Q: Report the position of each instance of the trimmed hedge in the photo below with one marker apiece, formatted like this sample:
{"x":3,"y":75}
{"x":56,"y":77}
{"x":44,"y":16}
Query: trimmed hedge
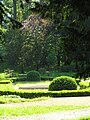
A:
{"x":19,"y":79}
{"x":36,"y":94}
{"x":5,"y":82}
{"x":33,"y":76}
{"x":46,"y":78}
{"x":63,"y":83}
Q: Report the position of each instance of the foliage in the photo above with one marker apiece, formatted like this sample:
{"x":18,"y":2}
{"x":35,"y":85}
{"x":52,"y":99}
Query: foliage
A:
{"x":27,"y":44}
{"x":71,"y":30}
{"x":84,"y":118}
{"x":78,"y":81}
{"x":5,"y":81}
{"x":6,"y":87}
{"x":4,"y":76}
{"x":55,"y":73}
{"x":20,"y":79}
{"x":63,"y":83}
{"x":45,"y":93}
{"x":84,"y":85}
{"x":6,"y":14}
{"x":33,"y":76}
{"x":56,"y":34}
{"x":15,"y":99}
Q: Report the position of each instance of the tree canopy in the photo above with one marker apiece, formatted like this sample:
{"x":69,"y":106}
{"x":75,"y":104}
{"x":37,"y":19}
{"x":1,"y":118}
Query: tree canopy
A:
{"x":65,"y":40}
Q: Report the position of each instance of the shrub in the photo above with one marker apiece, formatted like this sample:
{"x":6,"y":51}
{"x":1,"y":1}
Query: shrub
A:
{"x":20,"y":79}
{"x":84,"y":85}
{"x":63,"y":83}
{"x":78,"y":81}
{"x":42,"y":70}
{"x":36,"y":94}
{"x":46,"y":78}
{"x":33,"y":76}
{"x":5,"y":82}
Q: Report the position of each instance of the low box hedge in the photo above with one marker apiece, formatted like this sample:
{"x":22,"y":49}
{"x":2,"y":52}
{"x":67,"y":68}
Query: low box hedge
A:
{"x":5,"y":82}
{"x":46,"y":78}
{"x":36,"y":94}
{"x":19,"y":79}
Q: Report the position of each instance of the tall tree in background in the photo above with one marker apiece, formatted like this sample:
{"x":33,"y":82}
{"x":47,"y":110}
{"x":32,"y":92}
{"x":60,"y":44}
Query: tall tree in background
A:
{"x":72,"y":17}
{"x":14,"y":9}
{"x":70,"y":33}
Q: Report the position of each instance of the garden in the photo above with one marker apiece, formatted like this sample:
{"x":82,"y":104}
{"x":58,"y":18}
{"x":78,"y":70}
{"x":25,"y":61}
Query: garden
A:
{"x":31,"y":85}
{"x":13,"y":89}
{"x":44,"y":54}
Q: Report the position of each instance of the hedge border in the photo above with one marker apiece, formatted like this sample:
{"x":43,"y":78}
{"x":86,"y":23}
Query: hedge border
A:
{"x":35,"y":94}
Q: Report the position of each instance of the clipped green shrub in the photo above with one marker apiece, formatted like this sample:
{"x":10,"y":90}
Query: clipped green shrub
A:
{"x":42,"y":70}
{"x":5,"y":82}
{"x":33,"y":76}
{"x":20,"y":79}
{"x":63,"y":83}
{"x":84,"y":85}
{"x":46,"y":78}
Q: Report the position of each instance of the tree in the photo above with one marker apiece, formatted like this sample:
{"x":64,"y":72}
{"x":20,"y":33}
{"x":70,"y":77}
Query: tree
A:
{"x":66,"y":38}
{"x":71,"y":17}
{"x":25,"y":46}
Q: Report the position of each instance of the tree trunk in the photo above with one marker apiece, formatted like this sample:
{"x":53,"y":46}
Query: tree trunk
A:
{"x":58,"y":60}
{"x":14,"y":10}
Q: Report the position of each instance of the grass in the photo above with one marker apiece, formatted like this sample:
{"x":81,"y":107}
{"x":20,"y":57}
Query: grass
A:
{"x":83,"y":118}
{"x":30,"y":110}
{"x":34,"y":82}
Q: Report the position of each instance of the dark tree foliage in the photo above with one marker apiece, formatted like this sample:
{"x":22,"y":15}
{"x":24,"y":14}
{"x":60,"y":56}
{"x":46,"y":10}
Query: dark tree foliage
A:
{"x":71,"y":21}
{"x":72,"y":17}
{"x":4,"y":14}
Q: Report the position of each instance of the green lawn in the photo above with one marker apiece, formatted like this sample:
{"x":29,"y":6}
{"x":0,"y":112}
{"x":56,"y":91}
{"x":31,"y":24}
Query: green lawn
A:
{"x":83,"y":118}
{"x":29,"y":83}
{"x":29,"y":110}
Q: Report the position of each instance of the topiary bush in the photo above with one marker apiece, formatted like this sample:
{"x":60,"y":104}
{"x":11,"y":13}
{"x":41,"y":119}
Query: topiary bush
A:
{"x":63,"y":83}
{"x":33,"y":76}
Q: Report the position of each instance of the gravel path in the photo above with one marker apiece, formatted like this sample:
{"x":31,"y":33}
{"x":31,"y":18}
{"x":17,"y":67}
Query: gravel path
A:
{"x":66,"y":115}
{"x":78,"y":101}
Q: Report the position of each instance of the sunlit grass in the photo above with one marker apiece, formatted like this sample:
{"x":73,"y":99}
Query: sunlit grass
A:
{"x":30,"y":83}
{"x":30,"y":110}
{"x":83,"y":118}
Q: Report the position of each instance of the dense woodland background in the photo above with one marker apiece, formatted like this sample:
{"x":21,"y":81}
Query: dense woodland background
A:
{"x":45,"y":34}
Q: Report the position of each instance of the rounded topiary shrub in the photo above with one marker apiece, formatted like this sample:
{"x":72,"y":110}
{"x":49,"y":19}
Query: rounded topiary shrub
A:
{"x":63,"y":83}
{"x":33,"y":76}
